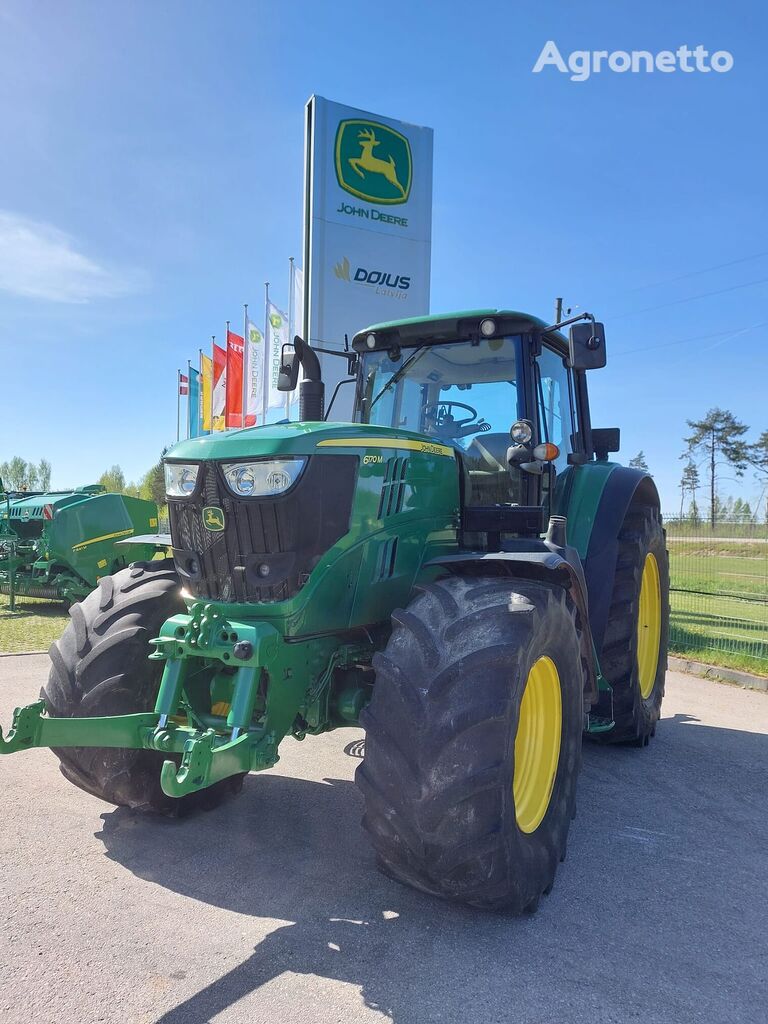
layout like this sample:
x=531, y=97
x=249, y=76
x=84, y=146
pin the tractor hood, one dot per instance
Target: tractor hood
x=299, y=439
x=358, y=482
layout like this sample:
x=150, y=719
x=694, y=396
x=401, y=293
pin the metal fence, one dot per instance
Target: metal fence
x=719, y=591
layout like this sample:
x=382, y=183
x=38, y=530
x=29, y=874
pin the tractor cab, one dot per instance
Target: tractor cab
x=506, y=391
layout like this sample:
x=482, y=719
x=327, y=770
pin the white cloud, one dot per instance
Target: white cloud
x=38, y=261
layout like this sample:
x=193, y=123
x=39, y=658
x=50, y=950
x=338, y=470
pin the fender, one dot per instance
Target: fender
x=159, y=540
x=595, y=498
x=544, y=562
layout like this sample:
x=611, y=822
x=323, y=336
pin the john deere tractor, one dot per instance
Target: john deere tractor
x=460, y=570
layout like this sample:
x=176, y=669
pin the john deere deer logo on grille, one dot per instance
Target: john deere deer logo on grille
x=383, y=176
x=213, y=518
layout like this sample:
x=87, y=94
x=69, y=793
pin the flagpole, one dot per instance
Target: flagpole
x=189, y=397
x=200, y=384
x=213, y=377
x=291, y=326
x=246, y=347
x=226, y=370
x=267, y=355
x=178, y=406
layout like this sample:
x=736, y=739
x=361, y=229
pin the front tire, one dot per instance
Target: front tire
x=100, y=667
x=473, y=741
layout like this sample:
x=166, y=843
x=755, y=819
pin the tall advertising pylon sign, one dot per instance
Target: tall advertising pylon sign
x=367, y=228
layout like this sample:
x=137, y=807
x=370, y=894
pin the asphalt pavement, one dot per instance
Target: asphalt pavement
x=270, y=908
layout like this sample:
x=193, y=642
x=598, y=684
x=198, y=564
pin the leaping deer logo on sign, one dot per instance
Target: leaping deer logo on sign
x=371, y=164
x=373, y=161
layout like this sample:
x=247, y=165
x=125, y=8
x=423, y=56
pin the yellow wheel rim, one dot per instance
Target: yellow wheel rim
x=649, y=626
x=537, y=744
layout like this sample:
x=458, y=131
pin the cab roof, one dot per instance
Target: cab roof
x=445, y=327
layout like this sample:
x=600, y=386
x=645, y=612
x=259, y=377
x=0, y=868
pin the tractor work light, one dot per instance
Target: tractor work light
x=521, y=431
x=262, y=479
x=180, y=478
x=487, y=327
x=370, y=341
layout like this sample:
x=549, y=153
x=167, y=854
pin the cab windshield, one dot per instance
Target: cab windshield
x=463, y=394
x=453, y=392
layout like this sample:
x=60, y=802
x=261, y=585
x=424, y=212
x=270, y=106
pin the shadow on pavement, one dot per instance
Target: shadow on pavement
x=652, y=915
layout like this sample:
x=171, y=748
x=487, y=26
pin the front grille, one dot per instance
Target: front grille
x=287, y=534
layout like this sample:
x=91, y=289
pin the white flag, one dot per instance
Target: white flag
x=297, y=313
x=277, y=336
x=253, y=373
x=297, y=327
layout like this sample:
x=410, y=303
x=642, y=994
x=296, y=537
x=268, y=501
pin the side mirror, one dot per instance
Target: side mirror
x=605, y=440
x=587, y=346
x=288, y=376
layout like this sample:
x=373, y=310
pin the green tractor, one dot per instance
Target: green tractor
x=460, y=570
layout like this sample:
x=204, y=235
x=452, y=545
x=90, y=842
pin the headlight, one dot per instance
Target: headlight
x=180, y=479
x=264, y=478
x=521, y=432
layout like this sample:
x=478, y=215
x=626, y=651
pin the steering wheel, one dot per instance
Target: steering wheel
x=446, y=426
x=444, y=414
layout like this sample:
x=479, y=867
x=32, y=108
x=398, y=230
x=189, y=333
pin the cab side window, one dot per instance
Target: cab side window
x=555, y=421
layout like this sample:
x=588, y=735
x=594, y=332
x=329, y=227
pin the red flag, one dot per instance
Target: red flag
x=234, y=380
x=183, y=384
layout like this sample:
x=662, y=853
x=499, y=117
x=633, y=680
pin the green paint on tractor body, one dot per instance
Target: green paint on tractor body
x=315, y=647
x=279, y=636
x=57, y=545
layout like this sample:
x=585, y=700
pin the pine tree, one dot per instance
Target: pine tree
x=758, y=454
x=719, y=438
x=689, y=483
x=693, y=512
x=638, y=462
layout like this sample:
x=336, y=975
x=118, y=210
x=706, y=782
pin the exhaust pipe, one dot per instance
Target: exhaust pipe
x=311, y=389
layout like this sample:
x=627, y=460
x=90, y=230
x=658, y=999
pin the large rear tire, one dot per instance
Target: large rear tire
x=100, y=667
x=473, y=741
x=634, y=657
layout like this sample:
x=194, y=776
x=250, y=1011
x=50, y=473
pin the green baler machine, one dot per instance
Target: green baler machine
x=58, y=544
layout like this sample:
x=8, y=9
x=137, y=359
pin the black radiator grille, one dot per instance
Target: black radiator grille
x=268, y=546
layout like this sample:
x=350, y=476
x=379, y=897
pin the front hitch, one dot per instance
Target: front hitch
x=207, y=756
x=206, y=762
x=32, y=727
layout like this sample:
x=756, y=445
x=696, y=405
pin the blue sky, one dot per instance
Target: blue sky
x=152, y=172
